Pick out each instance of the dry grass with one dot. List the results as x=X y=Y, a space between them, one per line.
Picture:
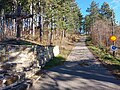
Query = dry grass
x=66 y=47
x=110 y=62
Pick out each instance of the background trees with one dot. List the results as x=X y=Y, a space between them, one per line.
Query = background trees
x=100 y=25
x=106 y=11
x=52 y=18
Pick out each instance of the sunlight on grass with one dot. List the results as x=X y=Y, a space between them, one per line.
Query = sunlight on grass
x=112 y=63
x=59 y=60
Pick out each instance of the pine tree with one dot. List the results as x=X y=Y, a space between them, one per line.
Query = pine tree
x=60 y=15
x=87 y=24
x=106 y=11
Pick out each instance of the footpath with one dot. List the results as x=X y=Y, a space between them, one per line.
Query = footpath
x=81 y=71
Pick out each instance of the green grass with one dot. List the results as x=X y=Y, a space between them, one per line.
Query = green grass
x=112 y=63
x=65 y=50
x=101 y=53
x=104 y=56
x=59 y=60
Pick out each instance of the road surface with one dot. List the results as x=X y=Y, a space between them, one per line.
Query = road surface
x=81 y=71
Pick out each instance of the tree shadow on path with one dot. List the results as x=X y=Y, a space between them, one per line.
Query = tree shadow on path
x=87 y=74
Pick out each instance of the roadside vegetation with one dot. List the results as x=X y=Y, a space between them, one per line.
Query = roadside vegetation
x=112 y=63
x=65 y=50
x=59 y=60
x=53 y=22
x=100 y=25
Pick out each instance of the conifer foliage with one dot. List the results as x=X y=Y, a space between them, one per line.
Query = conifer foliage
x=100 y=25
x=51 y=18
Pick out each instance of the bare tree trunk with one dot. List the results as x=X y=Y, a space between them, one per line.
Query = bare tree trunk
x=3 y=27
x=33 y=25
x=40 y=22
x=40 y=28
x=18 y=30
x=28 y=25
x=51 y=32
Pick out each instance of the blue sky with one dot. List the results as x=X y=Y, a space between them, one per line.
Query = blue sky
x=114 y=4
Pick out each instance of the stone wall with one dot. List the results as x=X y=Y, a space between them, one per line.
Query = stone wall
x=44 y=54
x=25 y=54
x=23 y=59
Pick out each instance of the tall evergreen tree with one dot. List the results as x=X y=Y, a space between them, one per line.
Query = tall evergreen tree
x=106 y=11
x=86 y=24
x=62 y=15
x=93 y=10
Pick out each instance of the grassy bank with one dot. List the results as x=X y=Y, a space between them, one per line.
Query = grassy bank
x=65 y=49
x=112 y=63
x=61 y=58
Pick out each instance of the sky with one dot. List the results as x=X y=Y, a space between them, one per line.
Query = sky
x=114 y=4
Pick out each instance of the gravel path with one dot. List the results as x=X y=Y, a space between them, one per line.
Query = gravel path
x=81 y=72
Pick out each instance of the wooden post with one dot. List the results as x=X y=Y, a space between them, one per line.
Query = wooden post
x=113 y=32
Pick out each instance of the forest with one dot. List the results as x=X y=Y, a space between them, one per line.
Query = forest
x=54 y=21
x=41 y=21
x=100 y=24
x=57 y=34
x=29 y=32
